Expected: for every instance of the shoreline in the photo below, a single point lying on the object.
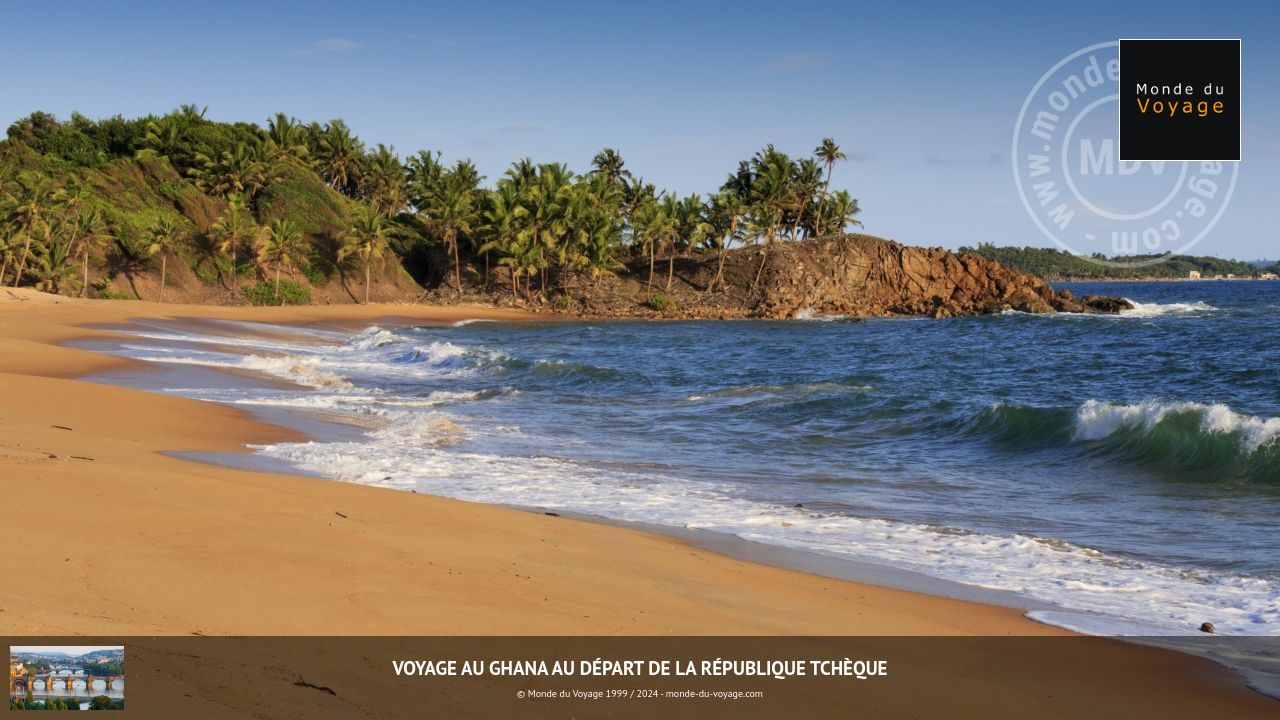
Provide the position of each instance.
(218, 528)
(1156, 280)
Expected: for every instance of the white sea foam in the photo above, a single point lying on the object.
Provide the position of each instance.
(810, 313)
(1096, 420)
(377, 403)
(1147, 310)
(1139, 310)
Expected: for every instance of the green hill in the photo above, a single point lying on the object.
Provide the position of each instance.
(1057, 265)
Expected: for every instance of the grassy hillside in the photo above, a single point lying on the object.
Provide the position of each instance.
(103, 208)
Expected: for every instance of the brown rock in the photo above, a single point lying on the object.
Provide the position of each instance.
(1105, 304)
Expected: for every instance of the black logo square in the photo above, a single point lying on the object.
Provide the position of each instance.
(1179, 100)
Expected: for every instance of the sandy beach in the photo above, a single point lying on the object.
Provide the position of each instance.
(148, 544)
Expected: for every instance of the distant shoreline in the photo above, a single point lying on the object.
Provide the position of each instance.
(1154, 279)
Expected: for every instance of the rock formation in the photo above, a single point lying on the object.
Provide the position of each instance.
(864, 275)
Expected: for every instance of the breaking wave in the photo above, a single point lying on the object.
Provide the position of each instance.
(1212, 439)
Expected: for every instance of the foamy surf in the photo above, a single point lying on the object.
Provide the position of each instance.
(812, 314)
(1150, 310)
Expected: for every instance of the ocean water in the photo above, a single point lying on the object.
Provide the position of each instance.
(1123, 468)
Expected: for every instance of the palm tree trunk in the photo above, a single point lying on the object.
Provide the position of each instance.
(22, 264)
(366, 282)
(764, 254)
(671, 267)
(4, 268)
(651, 254)
(277, 281)
(719, 267)
(457, 265)
(514, 298)
(724, 249)
(826, 187)
(84, 285)
(164, 272)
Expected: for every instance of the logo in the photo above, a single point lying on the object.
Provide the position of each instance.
(1082, 196)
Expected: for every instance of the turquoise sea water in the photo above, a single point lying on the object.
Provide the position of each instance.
(1124, 468)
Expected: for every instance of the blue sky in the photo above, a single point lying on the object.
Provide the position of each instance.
(923, 96)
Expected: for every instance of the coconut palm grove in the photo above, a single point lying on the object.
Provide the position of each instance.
(263, 214)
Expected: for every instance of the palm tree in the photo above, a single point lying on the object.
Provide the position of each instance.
(806, 174)
(6, 252)
(651, 225)
(522, 259)
(687, 225)
(423, 172)
(164, 234)
(163, 137)
(726, 209)
(771, 191)
(636, 196)
(839, 213)
(91, 229)
(341, 155)
(383, 182)
(34, 203)
(502, 217)
(73, 197)
(287, 139)
(544, 192)
(827, 153)
(53, 266)
(452, 210)
(243, 171)
(608, 164)
(367, 240)
(280, 245)
(230, 232)
(598, 232)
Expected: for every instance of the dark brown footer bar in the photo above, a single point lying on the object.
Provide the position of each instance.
(644, 677)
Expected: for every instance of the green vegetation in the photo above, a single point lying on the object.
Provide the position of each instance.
(1057, 265)
(99, 669)
(86, 203)
(662, 303)
(280, 292)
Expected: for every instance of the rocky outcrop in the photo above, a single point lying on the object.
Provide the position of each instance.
(864, 275)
